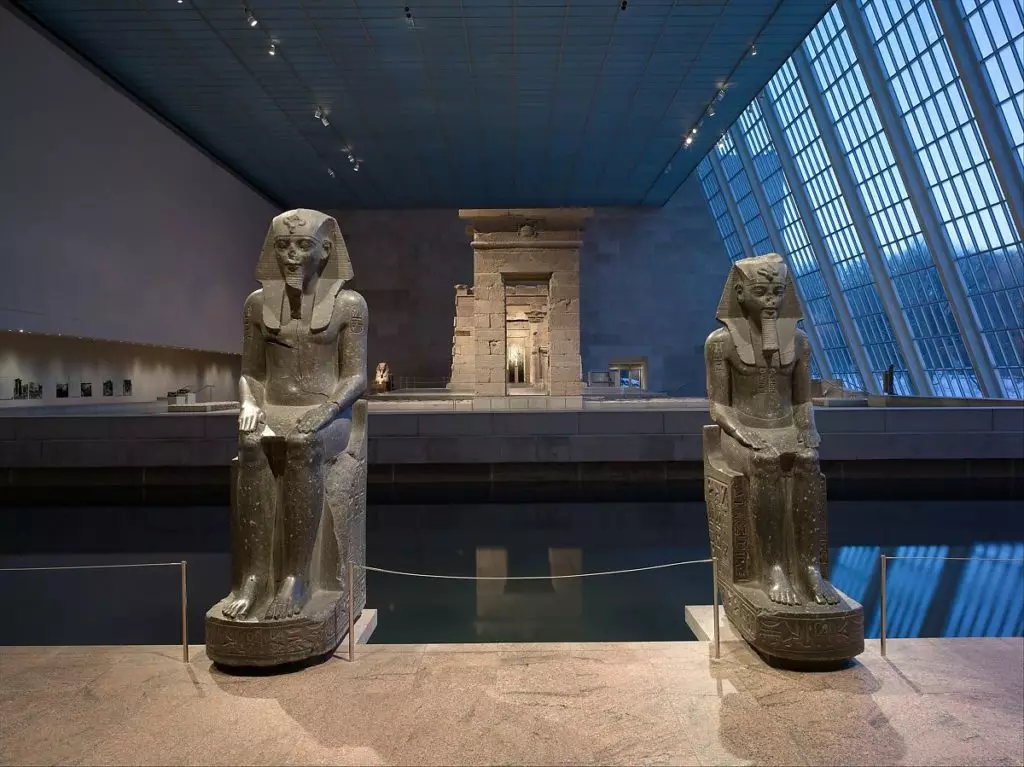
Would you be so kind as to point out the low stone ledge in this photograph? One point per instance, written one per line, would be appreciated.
(515, 482)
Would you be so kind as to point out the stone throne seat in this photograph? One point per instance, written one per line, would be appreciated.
(323, 622)
(807, 635)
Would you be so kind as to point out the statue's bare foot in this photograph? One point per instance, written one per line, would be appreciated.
(244, 598)
(824, 593)
(779, 588)
(289, 601)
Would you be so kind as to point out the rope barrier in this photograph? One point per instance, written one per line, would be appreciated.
(530, 577)
(965, 559)
(88, 567)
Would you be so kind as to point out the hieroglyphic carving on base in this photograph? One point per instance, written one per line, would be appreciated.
(265, 643)
(794, 633)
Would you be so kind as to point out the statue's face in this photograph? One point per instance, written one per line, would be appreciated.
(761, 299)
(300, 255)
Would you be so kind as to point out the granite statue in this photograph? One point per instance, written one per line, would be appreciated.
(298, 510)
(763, 485)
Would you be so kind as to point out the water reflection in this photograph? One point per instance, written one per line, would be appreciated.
(975, 597)
(977, 592)
(526, 610)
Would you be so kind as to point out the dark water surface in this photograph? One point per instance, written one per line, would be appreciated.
(927, 597)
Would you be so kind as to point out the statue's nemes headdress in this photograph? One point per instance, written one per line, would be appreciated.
(335, 270)
(769, 269)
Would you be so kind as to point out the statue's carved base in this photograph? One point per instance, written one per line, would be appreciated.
(316, 631)
(808, 635)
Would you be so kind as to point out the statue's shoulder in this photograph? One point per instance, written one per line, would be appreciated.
(350, 302)
(719, 337)
(253, 306)
(801, 341)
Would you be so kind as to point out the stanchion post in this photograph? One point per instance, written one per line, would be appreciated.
(184, 611)
(351, 611)
(714, 604)
(882, 642)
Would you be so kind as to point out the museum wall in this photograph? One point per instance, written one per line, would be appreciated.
(406, 264)
(114, 226)
(650, 281)
(49, 361)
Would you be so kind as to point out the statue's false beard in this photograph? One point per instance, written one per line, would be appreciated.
(769, 330)
(294, 279)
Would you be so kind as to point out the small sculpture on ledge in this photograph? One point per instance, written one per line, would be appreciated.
(382, 379)
(298, 507)
(763, 487)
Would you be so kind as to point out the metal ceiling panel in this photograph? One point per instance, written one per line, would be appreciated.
(471, 103)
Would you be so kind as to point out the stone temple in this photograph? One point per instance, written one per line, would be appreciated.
(517, 327)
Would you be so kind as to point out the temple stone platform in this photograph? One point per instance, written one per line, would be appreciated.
(929, 702)
(877, 451)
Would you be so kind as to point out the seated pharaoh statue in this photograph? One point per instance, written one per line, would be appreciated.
(298, 508)
(763, 487)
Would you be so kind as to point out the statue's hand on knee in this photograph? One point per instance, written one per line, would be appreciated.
(751, 439)
(250, 417)
(316, 418)
(809, 438)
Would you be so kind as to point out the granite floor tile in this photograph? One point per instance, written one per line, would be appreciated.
(736, 730)
(929, 702)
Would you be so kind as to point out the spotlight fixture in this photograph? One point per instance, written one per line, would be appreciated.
(318, 113)
(623, 4)
(272, 50)
(356, 167)
(693, 131)
(409, 20)
(330, 172)
(324, 120)
(250, 19)
(688, 140)
(351, 159)
(711, 111)
(721, 93)
(753, 49)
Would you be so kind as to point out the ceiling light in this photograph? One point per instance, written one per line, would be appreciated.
(688, 140)
(351, 159)
(711, 111)
(356, 167)
(250, 19)
(273, 50)
(318, 113)
(693, 131)
(324, 120)
(753, 49)
(330, 172)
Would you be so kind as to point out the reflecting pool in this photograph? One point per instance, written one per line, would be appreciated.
(976, 592)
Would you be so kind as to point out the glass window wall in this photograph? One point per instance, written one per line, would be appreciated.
(962, 189)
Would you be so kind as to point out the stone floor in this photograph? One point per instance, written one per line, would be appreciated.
(952, 701)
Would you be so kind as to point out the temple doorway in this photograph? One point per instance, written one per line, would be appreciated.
(527, 340)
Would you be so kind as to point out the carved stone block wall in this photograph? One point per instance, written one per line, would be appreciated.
(463, 374)
(526, 245)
